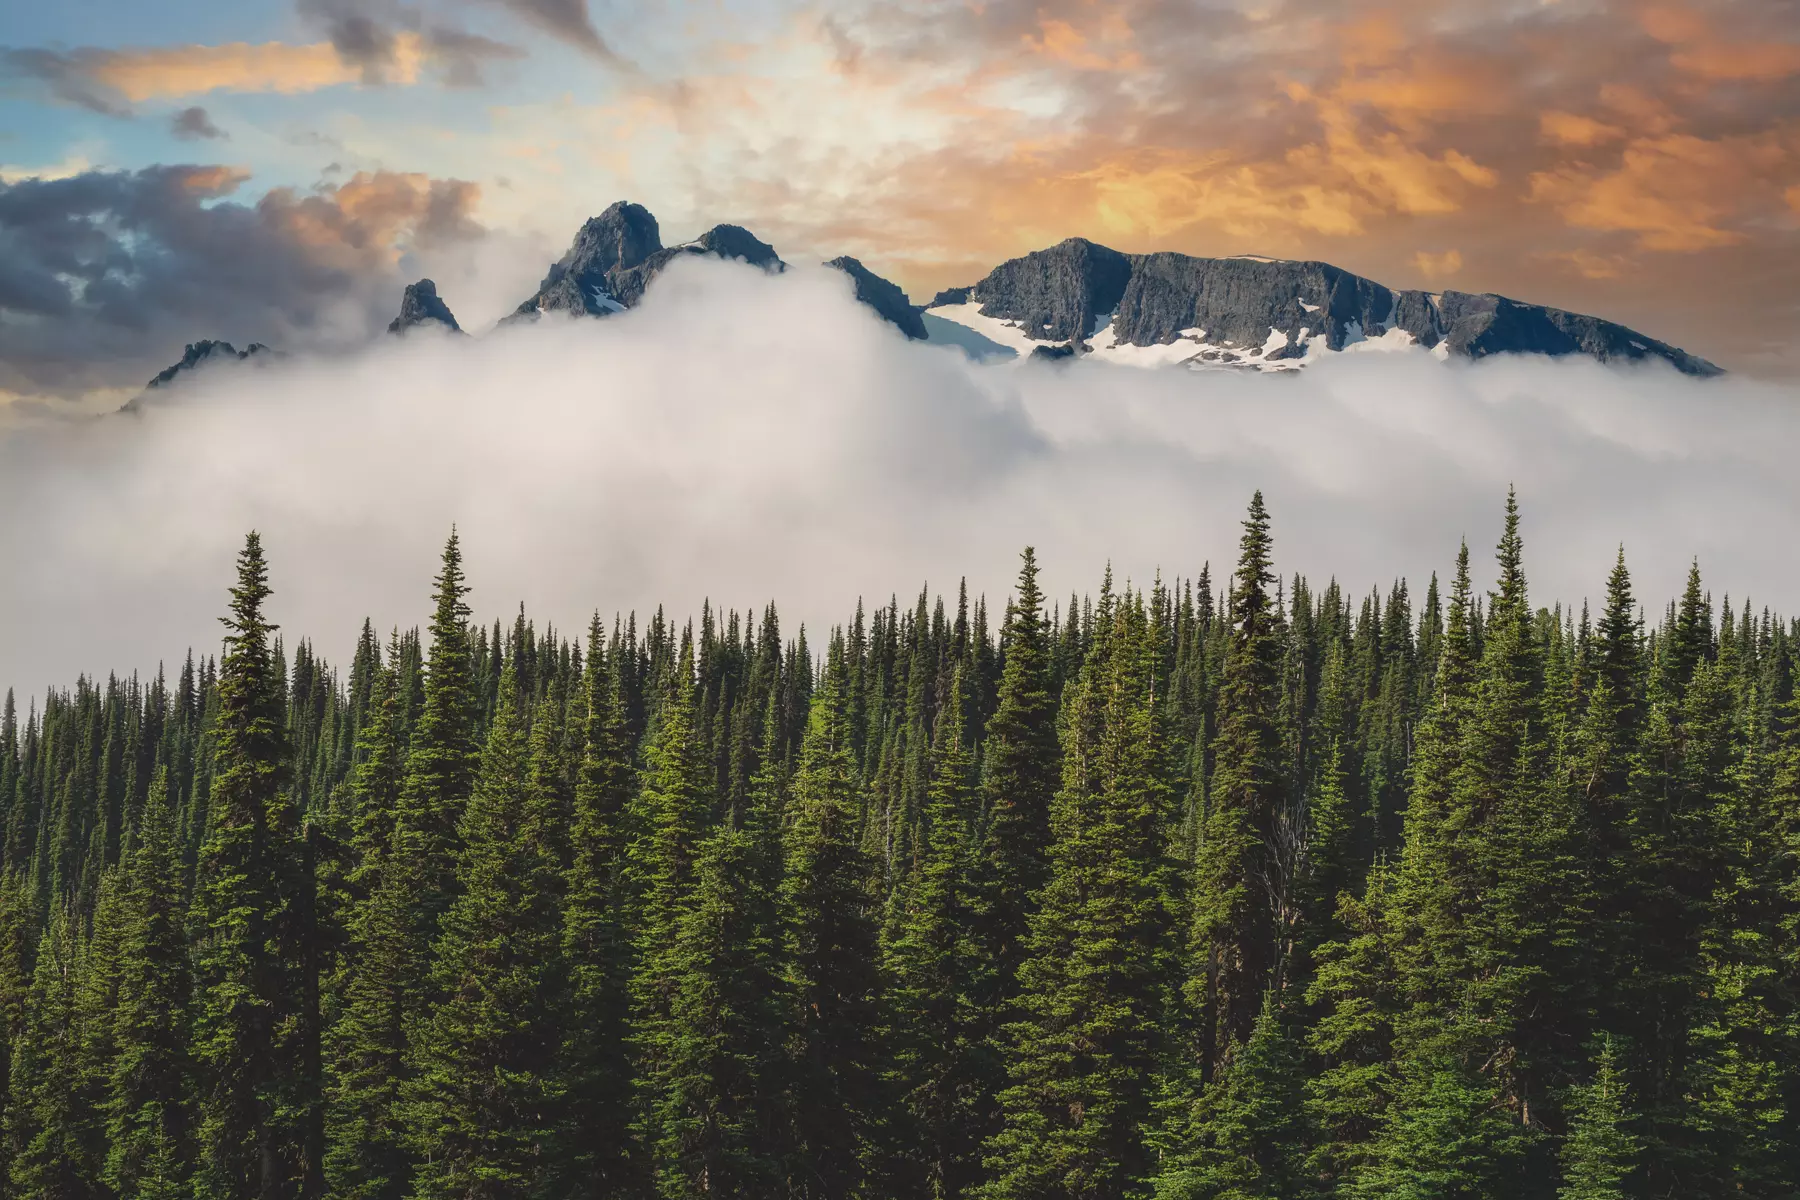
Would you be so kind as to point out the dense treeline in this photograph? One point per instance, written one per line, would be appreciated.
(1267, 892)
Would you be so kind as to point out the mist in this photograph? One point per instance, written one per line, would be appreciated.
(742, 438)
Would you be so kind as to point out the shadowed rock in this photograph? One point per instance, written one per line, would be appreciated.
(884, 297)
(422, 306)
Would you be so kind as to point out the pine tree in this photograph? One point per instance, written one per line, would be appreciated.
(938, 1059)
(720, 1088)
(50, 1119)
(1086, 1039)
(369, 1155)
(1238, 876)
(595, 1067)
(149, 1102)
(256, 1095)
(482, 1100)
(1599, 1154)
(840, 1109)
(440, 768)
(1246, 1136)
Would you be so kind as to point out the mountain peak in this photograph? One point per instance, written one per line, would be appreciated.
(1253, 311)
(884, 297)
(420, 305)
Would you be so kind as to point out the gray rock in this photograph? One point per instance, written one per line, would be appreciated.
(884, 297)
(205, 353)
(1061, 293)
(722, 241)
(1055, 294)
(583, 280)
(421, 306)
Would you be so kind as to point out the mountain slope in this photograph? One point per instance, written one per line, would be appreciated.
(421, 305)
(1164, 308)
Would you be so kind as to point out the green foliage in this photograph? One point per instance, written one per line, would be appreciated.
(1273, 891)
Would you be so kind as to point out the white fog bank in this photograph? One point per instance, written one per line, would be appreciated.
(742, 437)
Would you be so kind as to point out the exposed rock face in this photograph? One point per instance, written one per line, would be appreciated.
(618, 253)
(723, 241)
(203, 353)
(583, 280)
(884, 297)
(422, 306)
(1252, 310)
(1055, 294)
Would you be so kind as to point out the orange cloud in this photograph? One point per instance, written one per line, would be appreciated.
(1438, 266)
(374, 216)
(1571, 129)
(1059, 40)
(1675, 192)
(1699, 50)
(140, 75)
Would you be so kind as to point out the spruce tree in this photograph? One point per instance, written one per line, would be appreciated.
(721, 1090)
(840, 1107)
(257, 1091)
(601, 1152)
(1238, 875)
(1600, 1151)
(149, 1105)
(936, 1053)
(1086, 1039)
(482, 1100)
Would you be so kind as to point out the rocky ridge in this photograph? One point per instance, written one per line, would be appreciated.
(1264, 313)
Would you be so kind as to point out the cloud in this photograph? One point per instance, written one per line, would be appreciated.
(193, 124)
(567, 20)
(742, 437)
(105, 275)
(1440, 265)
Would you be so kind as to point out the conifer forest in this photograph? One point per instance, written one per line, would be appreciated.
(1238, 886)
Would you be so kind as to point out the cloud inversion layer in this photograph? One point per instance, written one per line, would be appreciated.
(748, 437)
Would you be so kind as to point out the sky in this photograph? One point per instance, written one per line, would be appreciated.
(275, 170)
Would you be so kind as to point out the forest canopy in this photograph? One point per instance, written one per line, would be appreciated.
(1246, 887)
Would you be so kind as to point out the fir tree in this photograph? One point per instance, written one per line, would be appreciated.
(482, 1102)
(1238, 878)
(1599, 1154)
(256, 1093)
(149, 1101)
(840, 1107)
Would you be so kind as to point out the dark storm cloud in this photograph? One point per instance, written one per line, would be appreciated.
(194, 124)
(105, 275)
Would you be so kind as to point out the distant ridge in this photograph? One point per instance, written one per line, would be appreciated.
(1076, 299)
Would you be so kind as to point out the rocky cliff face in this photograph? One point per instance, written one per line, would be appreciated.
(1252, 311)
(884, 297)
(421, 305)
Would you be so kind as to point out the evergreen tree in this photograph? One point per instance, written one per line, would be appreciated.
(937, 1056)
(1599, 1153)
(1239, 883)
(595, 1064)
(150, 1097)
(250, 1031)
(840, 1107)
(721, 1119)
(481, 1104)
(1086, 1039)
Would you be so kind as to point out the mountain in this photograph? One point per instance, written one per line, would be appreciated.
(420, 305)
(205, 353)
(885, 298)
(616, 254)
(1079, 297)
